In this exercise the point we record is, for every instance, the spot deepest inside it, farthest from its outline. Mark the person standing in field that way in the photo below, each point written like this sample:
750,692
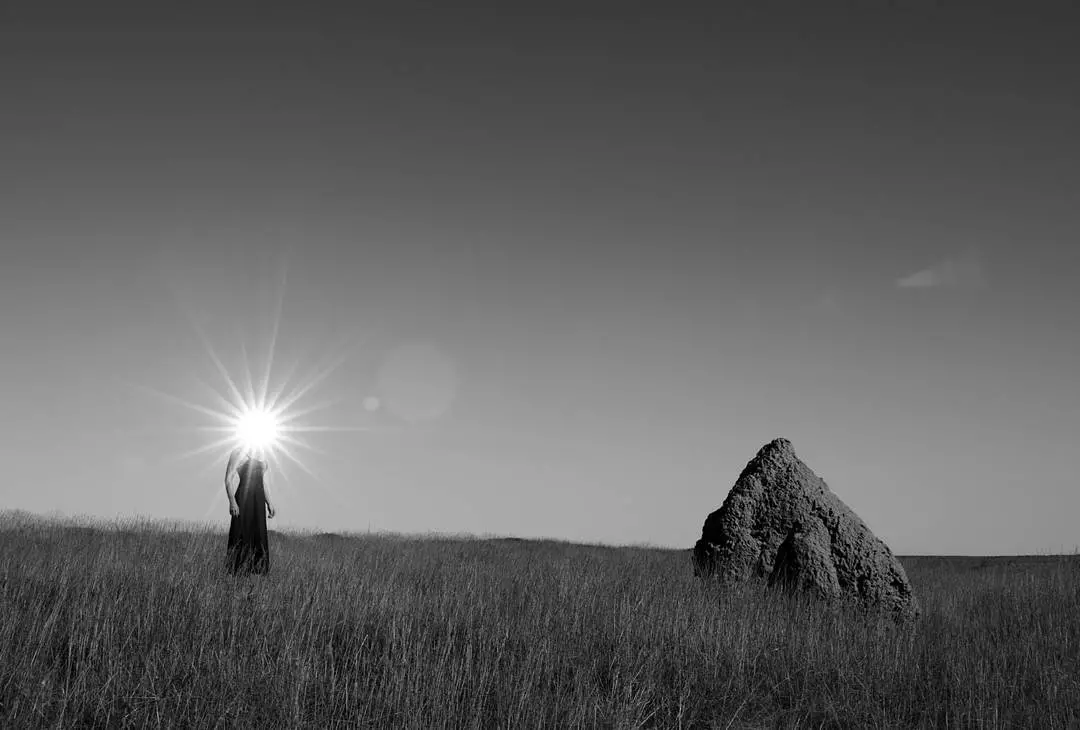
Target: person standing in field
250,504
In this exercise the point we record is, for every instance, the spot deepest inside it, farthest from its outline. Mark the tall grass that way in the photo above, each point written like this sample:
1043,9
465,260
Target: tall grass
141,627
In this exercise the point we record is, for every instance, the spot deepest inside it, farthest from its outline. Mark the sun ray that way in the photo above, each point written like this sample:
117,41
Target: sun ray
249,385
257,429
186,310
303,467
257,404
323,373
227,442
216,429
278,465
316,483
222,370
274,393
213,472
234,410
176,399
285,418
279,305
339,429
308,383
216,466
290,439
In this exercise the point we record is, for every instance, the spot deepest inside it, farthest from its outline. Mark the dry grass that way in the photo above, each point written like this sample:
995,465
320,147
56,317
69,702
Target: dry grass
139,627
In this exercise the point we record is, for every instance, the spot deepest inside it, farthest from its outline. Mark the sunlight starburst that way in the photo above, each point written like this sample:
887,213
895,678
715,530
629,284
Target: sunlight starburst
257,429
256,415
262,420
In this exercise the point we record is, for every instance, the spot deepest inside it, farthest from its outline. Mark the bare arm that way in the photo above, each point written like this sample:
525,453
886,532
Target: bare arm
231,477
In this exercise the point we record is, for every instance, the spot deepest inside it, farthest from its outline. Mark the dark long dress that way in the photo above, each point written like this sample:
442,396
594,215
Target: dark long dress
249,548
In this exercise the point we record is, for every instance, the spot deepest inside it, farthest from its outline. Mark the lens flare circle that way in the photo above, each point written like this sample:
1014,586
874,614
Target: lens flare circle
257,429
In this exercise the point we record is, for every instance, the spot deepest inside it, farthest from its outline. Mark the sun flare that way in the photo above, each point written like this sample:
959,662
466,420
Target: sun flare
252,413
257,429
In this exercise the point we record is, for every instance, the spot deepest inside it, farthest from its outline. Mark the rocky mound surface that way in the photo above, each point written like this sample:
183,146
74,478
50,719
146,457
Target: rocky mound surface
781,523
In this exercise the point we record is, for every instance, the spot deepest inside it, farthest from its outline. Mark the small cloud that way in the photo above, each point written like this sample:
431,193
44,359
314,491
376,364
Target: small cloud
962,272
920,280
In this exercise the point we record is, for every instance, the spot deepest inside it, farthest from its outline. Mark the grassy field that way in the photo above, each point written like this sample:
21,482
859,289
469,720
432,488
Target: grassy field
139,627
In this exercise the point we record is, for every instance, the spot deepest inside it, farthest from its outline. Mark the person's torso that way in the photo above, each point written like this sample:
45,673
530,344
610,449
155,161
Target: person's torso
251,476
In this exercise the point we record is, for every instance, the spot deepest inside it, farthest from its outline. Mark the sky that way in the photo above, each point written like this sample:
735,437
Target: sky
571,265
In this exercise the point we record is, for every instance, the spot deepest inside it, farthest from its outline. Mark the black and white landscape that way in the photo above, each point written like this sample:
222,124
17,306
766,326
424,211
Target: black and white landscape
528,308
